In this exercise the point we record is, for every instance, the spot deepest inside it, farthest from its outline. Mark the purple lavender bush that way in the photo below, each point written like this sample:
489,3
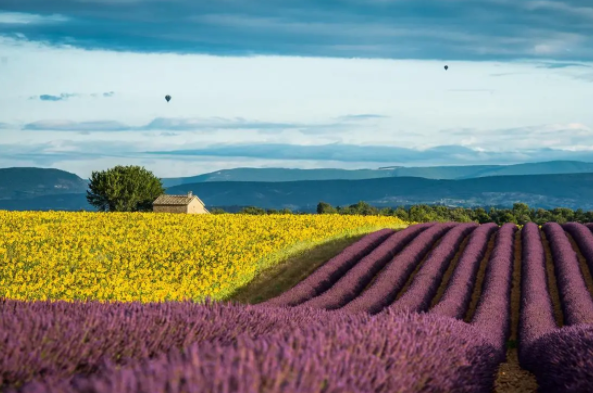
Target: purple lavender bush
330,352
427,280
577,304
562,360
322,278
383,291
456,299
493,314
357,278
537,314
584,240
61,338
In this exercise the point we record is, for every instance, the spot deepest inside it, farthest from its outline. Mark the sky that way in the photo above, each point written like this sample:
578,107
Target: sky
299,84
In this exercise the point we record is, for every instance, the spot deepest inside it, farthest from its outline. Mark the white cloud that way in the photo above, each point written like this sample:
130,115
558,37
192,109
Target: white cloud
22,18
585,12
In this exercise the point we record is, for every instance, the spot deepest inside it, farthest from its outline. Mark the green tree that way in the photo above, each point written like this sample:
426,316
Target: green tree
401,213
124,189
364,209
482,216
520,209
507,217
325,208
524,219
253,210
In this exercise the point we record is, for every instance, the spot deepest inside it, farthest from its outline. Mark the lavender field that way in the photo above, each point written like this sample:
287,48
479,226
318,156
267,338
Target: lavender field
437,307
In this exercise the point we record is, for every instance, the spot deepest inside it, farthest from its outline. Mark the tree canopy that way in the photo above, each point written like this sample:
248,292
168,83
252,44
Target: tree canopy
124,189
520,213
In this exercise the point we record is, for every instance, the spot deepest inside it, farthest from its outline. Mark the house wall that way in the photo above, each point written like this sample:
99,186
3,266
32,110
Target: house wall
169,208
195,207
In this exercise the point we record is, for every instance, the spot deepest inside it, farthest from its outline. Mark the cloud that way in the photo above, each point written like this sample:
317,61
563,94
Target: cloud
4,126
66,96
491,91
21,18
49,97
563,136
329,152
203,124
363,116
574,129
83,156
439,155
554,65
452,30
66,125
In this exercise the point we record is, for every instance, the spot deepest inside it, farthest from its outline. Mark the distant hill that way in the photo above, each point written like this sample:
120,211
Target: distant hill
278,174
546,191
435,172
24,183
53,189
63,202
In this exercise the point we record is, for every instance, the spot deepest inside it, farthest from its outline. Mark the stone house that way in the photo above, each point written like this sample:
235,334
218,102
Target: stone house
189,204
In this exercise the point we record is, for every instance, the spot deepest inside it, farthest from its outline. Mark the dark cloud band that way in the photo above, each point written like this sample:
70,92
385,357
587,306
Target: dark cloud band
419,29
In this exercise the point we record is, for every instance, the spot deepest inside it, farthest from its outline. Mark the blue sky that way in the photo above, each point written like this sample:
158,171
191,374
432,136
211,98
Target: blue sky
347,83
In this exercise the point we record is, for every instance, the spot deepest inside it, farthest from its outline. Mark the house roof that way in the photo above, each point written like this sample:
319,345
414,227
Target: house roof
175,200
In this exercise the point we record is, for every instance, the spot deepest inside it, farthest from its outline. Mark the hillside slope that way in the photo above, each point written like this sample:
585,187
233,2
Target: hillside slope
24,183
435,172
59,190
547,191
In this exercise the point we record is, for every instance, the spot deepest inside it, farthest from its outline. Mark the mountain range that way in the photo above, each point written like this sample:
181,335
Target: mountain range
434,172
547,185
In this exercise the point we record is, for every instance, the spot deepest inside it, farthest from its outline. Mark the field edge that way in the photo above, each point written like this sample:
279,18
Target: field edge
294,263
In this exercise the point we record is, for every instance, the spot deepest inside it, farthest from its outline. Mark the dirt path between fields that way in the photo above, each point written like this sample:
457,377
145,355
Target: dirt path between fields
552,285
511,378
417,268
479,286
449,273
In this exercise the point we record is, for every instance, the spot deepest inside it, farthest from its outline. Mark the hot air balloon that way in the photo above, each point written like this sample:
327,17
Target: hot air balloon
168,98
446,67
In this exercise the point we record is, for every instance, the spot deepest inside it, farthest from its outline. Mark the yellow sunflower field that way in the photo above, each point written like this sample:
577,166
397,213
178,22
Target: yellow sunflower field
152,257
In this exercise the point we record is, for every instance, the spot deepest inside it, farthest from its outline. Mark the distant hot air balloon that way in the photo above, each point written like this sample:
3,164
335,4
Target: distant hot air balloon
168,98
446,67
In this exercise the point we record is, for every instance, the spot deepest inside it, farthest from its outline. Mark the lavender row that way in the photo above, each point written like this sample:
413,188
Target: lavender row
493,314
324,351
577,304
561,360
428,278
537,314
457,296
322,278
383,291
61,338
584,240
357,278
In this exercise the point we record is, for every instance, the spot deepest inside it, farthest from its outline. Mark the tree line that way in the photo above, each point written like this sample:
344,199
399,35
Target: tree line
520,213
